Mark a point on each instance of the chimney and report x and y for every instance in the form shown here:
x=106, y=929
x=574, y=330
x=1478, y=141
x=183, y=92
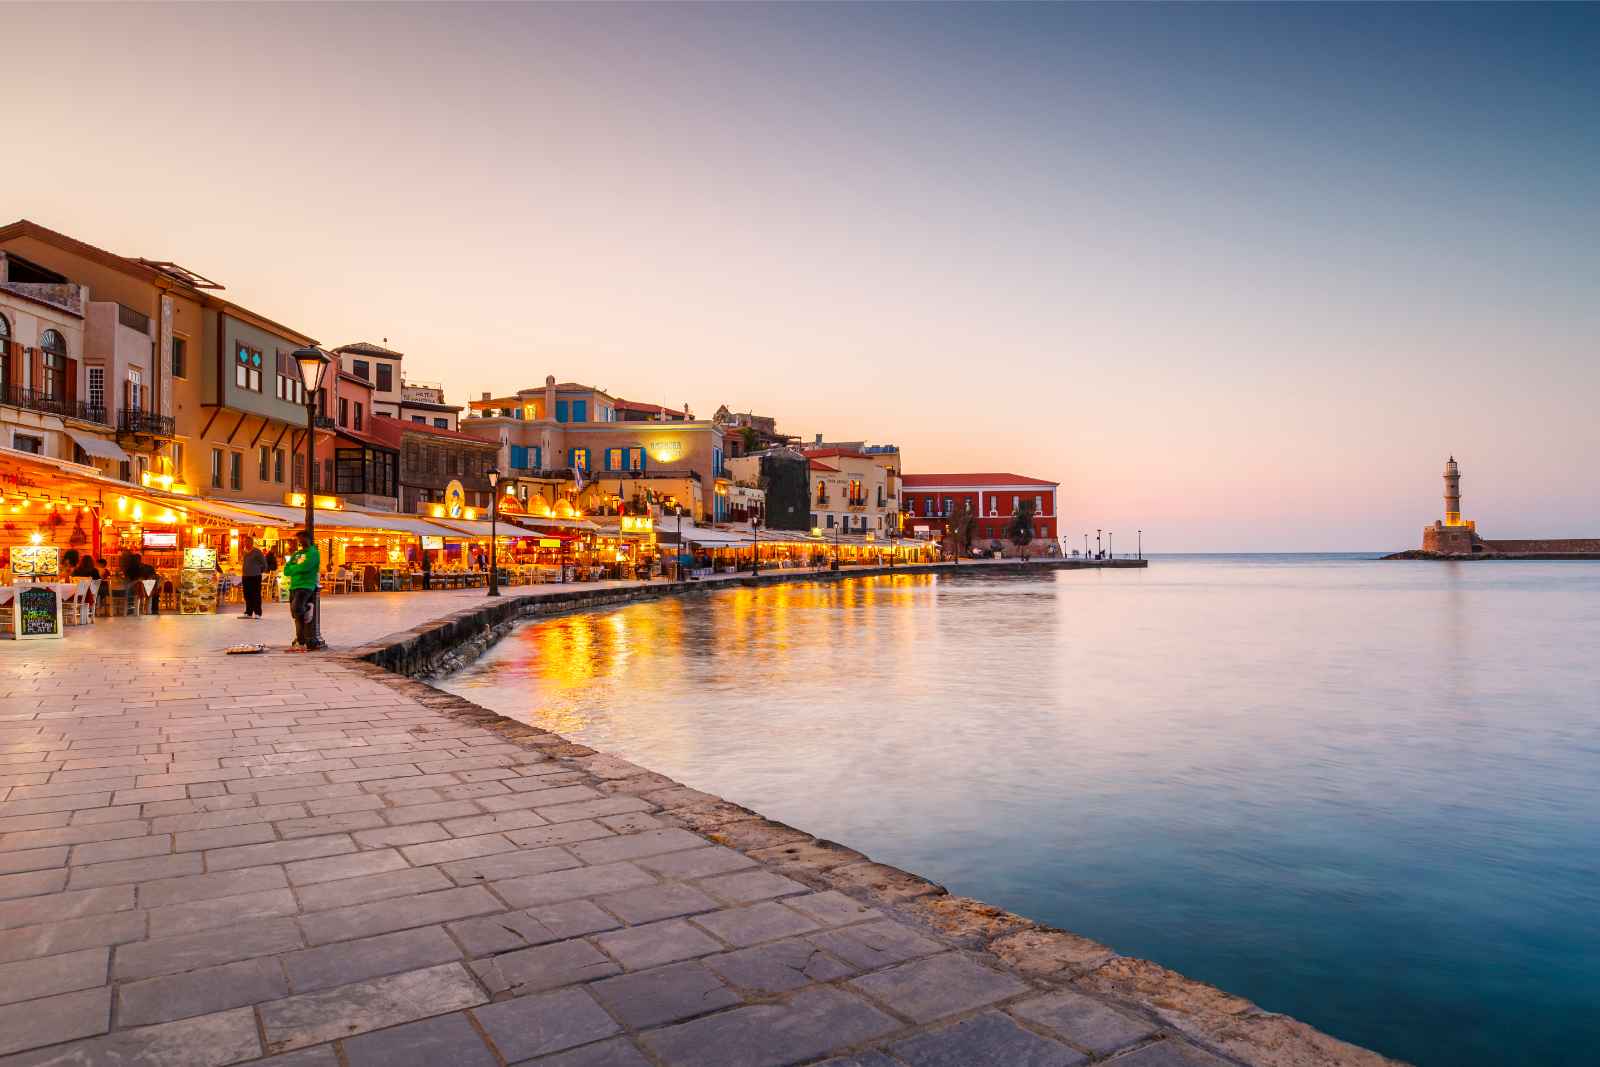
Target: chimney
x=486, y=396
x=819, y=438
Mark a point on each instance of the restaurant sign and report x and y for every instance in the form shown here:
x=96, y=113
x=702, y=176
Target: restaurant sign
x=38, y=613
x=35, y=561
x=455, y=499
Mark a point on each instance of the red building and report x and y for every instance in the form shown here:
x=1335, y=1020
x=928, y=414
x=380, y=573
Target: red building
x=926, y=499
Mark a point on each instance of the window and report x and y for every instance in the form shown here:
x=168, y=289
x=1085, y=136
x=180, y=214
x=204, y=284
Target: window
x=97, y=389
x=236, y=470
x=1015, y=503
x=358, y=416
x=177, y=460
x=385, y=378
x=419, y=418
x=580, y=459
x=135, y=389
x=23, y=442
x=614, y=459
x=636, y=459
x=830, y=521
x=822, y=491
x=1038, y=503
x=360, y=369
x=344, y=411
x=5, y=355
x=299, y=471
x=277, y=465
x=216, y=468
x=53, y=348
x=264, y=462
x=290, y=387
x=443, y=424
x=327, y=475
x=948, y=504
x=144, y=468
x=247, y=368
x=180, y=357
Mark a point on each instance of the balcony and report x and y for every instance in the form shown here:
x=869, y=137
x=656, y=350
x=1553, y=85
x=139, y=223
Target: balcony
x=325, y=422
x=856, y=501
x=34, y=400
x=144, y=423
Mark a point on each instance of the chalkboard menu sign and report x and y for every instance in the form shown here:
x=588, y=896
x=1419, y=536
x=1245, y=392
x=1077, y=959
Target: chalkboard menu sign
x=38, y=612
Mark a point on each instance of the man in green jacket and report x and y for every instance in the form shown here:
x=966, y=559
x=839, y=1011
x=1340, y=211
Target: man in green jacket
x=301, y=570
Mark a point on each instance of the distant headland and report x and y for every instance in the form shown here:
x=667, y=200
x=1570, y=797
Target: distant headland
x=1456, y=538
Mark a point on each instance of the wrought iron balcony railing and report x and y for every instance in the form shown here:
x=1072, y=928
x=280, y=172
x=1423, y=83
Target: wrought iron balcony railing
x=145, y=423
x=34, y=400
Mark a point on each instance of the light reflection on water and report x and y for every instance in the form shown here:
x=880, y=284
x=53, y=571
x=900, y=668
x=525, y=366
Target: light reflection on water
x=1361, y=793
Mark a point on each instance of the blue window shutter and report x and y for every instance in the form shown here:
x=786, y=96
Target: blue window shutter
x=561, y=411
x=538, y=458
x=608, y=459
x=580, y=411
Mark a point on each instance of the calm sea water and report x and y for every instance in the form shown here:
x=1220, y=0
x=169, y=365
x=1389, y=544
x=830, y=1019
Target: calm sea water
x=1363, y=793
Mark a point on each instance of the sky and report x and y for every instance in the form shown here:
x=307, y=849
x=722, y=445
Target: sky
x=1238, y=276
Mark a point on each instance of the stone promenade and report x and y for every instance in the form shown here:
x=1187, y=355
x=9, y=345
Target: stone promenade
x=303, y=860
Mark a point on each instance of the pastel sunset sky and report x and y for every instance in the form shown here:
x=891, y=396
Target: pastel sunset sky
x=1241, y=276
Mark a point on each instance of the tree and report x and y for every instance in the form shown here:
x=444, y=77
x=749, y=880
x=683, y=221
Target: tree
x=960, y=526
x=1020, y=529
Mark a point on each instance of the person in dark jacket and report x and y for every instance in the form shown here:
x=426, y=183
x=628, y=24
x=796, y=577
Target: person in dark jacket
x=252, y=565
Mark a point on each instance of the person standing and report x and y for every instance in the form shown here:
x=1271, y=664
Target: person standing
x=252, y=566
x=301, y=570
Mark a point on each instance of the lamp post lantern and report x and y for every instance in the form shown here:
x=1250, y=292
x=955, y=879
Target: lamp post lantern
x=494, y=522
x=313, y=363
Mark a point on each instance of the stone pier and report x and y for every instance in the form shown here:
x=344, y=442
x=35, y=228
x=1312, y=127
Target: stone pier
x=314, y=860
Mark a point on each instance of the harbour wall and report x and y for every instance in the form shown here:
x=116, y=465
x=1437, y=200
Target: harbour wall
x=1234, y=1027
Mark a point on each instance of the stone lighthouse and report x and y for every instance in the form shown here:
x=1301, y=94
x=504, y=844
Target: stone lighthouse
x=1452, y=493
x=1454, y=536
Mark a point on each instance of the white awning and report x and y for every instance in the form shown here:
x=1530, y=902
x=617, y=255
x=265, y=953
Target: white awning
x=282, y=515
x=99, y=447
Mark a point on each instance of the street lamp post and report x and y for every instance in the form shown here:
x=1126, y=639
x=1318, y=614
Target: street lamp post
x=1097, y=544
x=1085, y=546
x=1111, y=553
x=836, y=528
x=494, y=521
x=313, y=363
x=1141, y=544
x=755, y=557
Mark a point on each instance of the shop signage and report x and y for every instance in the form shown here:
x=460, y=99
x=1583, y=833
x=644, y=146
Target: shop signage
x=38, y=612
x=432, y=543
x=161, y=539
x=455, y=499
x=35, y=561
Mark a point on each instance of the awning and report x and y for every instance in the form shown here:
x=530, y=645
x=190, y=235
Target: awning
x=482, y=527
x=542, y=523
x=283, y=515
x=99, y=447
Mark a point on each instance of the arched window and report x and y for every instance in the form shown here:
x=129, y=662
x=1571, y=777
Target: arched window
x=54, y=347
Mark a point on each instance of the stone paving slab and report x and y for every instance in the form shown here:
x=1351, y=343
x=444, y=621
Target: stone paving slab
x=306, y=861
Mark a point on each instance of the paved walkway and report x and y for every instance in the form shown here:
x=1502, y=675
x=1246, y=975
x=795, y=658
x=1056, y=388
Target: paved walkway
x=208, y=859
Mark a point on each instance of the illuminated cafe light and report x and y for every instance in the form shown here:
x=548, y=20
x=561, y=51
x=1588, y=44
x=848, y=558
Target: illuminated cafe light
x=36, y=537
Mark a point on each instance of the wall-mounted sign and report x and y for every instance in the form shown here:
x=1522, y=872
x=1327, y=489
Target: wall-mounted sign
x=666, y=451
x=432, y=543
x=637, y=524
x=37, y=613
x=455, y=499
x=35, y=561
x=161, y=539
x=200, y=559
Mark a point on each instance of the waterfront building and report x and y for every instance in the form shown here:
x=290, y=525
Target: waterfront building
x=206, y=392
x=441, y=472
x=44, y=406
x=633, y=411
x=567, y=440
x=855, y=490
x=85, y=374
x=424, y=402
x=380, y=366
x=354, y=464
x=747, y=433
x=992, y=499
x=783, y=473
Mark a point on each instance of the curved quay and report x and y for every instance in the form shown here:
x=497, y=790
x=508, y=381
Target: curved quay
x=1109, y=1007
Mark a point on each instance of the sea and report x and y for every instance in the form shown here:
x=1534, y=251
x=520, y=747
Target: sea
x=1364, y=793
